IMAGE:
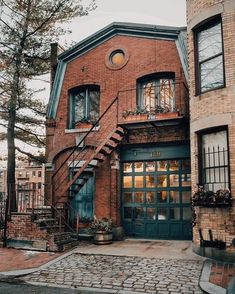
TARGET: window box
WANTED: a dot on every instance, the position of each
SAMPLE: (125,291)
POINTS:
(220,198)
(167,115)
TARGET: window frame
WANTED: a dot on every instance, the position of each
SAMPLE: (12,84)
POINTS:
(86,113)
(156,77)
(200,152)
(205,25)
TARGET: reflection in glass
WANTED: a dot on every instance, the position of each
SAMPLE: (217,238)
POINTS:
(127,197)
(149,197)
(139,212)
(186,196)
(162,214)
(175,213)
(139,166)
(150,166)
(186,180)
(150,181)
(139,197)
(127,212)
(139,181)
(151,213)
(127,181)
(162,165)
(174,197)
(187,213)
(174,180)
(127,167)
(173,165)
(162,196)
(186,165)
(162,180)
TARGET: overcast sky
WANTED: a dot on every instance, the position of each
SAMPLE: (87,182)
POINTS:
(156,12)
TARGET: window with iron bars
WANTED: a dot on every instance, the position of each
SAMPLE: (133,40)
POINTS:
(214,171)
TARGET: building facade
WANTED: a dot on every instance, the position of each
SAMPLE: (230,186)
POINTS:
(211,51)
(118,131)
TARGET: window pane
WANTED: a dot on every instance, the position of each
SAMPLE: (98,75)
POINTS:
(162,196)
(127,167)
(174,180)
(139,212)
(186,196)
(175,213)
(186,164)
(127,182)
(174,197)
(94,100)
(150,181)
(79,107)
(139,181)
(212,74)
(173,165)
(186,180)
(127,197)
(166,94)
(162,165)
(162,214)
(150,166)
(151,213)
(209,42)
(139,197)
(162,180)
(139,166)
(149,197)
(148,95)
(187,213)
(127,212)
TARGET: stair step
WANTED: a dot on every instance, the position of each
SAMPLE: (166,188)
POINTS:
(106,150)
(44,220)
(116,138)
(120,131)
(100,157)
(111,144)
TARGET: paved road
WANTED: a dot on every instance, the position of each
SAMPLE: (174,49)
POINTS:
(121,274)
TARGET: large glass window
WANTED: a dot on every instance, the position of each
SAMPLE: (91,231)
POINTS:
(214,160)
(85,103)
(157,94)
(209,53)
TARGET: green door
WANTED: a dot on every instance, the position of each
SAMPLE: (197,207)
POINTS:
(156,199)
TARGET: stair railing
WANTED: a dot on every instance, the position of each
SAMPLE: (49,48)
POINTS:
(61,174)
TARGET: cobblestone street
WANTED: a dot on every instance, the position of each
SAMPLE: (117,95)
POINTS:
(120,274)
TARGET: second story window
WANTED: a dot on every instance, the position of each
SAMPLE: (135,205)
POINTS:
(84,104)
(157,93)
(209,56)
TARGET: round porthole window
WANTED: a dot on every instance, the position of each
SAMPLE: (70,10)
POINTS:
(116,58)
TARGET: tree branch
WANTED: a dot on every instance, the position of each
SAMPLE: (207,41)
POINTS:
(38,159)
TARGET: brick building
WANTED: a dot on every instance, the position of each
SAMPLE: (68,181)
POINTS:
(118,130)
(211,51)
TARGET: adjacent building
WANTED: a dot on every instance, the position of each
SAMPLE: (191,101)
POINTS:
(211,51)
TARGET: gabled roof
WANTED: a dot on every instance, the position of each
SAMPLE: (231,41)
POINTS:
(177,34)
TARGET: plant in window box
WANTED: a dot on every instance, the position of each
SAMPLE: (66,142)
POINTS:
(166,112)
(202,197)
(102,230)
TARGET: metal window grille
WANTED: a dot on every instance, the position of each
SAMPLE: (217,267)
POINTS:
(215,169)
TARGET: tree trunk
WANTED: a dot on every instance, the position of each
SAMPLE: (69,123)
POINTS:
(11,191)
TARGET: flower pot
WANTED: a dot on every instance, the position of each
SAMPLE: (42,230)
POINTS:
(102,238)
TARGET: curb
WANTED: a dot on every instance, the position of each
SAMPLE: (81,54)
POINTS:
(204,283)
(23,272)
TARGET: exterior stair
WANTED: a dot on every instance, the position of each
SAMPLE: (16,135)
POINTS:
(84,169)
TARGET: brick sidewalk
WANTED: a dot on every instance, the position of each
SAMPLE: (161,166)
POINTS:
(222,273)
(15,259)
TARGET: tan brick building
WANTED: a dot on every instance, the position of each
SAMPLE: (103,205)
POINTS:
(117,130)
(211,52)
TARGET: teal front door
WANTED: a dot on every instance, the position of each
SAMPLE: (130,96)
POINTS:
(82,202)
(156,199)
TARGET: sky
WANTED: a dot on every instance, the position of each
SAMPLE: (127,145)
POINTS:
(155,12)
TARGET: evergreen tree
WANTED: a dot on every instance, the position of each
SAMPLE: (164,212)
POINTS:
(27,28)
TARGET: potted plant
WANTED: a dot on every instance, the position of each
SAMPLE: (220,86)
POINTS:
(102,230)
